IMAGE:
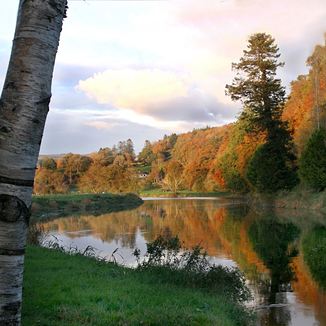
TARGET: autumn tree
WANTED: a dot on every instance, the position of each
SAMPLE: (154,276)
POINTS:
(317,74)
(48,181)
(173,176)
(262,96)
(116,177)
(105,156)
(74,165)
(24,105)
(306,107)
(48,163)
(126,148)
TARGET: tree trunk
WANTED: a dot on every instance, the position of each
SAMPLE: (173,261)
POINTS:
(24,105)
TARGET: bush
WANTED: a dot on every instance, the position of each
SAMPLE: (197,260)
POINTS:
(166,257)
(36,234)
(270,170)
(312,164)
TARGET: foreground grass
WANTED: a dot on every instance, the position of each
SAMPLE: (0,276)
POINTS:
(74,290)
(181,193)
(52,206)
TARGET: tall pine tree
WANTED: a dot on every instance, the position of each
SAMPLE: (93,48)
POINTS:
(263,96)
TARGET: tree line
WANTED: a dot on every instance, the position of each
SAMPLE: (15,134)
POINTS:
(108,170)
(276,142)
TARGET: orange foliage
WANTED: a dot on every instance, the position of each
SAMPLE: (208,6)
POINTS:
(218,177)
(308,92)
(298,110)
(246,149)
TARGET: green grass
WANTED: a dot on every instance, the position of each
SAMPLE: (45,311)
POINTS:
(52,206)
(74,290)
(181,193)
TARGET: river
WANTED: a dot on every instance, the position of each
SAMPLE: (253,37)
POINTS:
(280,253)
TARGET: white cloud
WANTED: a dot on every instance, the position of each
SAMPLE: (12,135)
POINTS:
(157,98)
(134,89)
(99,124)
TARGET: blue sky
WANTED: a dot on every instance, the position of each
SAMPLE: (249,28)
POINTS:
(142,69)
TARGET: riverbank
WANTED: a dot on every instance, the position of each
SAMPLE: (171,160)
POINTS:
(159,193)
(52,206)
(297,199)
(302,199)
(60,289)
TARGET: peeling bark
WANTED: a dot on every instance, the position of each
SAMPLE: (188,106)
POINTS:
(24,105)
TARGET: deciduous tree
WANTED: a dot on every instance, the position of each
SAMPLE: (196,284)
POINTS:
(24,105)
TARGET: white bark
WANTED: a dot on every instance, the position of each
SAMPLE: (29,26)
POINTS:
(24,105)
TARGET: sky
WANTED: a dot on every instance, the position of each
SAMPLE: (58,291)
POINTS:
(142,69)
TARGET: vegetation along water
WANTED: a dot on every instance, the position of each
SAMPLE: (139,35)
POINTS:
(281,253)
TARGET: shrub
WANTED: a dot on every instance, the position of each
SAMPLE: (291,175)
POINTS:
(36,234)
(312,163)
(269,170)
(167,259)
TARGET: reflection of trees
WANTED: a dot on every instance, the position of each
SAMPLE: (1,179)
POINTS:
(193,221)
(314,250)
(307,290)
(271,240)
(234,236)
(108,227)
(276,316)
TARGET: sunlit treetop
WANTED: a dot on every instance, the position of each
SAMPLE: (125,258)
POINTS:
(256,84)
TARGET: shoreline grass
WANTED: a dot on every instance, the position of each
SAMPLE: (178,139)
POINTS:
(53,206)
(60,289)
(182,193)
(298,199)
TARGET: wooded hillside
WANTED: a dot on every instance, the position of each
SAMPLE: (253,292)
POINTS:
(208,159)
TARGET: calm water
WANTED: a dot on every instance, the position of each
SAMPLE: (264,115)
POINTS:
(268,248)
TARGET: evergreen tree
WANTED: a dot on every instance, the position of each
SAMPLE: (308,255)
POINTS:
(263,98)
(312,164)
(127,148)
(146,156)
(130,150)
(268,170)
(256,85)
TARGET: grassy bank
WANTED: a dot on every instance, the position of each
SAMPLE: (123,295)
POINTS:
(74,290)
(302,199)
(296,199)
(51,206)
(182,193)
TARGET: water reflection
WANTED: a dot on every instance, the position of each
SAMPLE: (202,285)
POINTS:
(314,249)
(273,242)
(273,250)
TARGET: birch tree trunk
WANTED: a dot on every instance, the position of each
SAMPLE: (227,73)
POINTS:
(24,105)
